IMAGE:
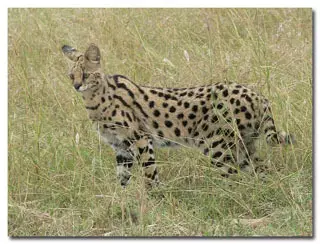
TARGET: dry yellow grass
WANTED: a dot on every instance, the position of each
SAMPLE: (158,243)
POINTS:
(60,187)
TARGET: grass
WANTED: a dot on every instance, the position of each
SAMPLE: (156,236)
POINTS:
(61,178)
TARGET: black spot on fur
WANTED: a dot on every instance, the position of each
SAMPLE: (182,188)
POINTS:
(118,123)
(156,113)
(195,108)
(155,124)
(217,154)
(220,106)
(153,91)
(241,127)
(151,104)
(183,94)
(160,133)
(211,134)
(93,107)
(201,142)
(174,98)
(227,158)
(248,98)
(128,116)
(172,109)
(147,164)
(220,87)
(225,93)
(205,127)
(177,131)
(232,171)
(219,165)
(244,164)
(219,131)
(168,123)
(235,91)
(243,109)
(216,143)
(214,119)
(127,143)
(180,116)
(190,94)
(200,95)
(248,115)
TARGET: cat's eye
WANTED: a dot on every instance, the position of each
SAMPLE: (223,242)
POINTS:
(71,76)
(86,75)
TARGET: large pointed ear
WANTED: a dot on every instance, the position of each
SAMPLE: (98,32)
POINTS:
(92,57)
(71,52)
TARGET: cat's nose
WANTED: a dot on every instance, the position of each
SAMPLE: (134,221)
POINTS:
(77,86)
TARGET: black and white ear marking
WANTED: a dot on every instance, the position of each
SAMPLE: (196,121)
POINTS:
(71,52)
(68,49)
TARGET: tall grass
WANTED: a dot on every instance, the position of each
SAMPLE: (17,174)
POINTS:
(62,180)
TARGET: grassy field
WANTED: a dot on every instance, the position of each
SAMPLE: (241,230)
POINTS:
(62,179)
